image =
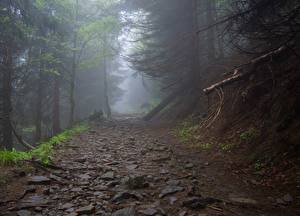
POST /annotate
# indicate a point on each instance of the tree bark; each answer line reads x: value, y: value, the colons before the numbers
x: 107, y: 109
x: 7, y: 106
x: 74, y: 68
x: 39, y: 101
x: 56, y: 103
x: 211, y: 10
x: 195, y: 66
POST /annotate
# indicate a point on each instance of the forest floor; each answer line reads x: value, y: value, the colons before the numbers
x: 128, y: 167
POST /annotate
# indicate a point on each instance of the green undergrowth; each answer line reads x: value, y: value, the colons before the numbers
x: 249, y: 134
x: 226, y: 147
x: 186, y: 131
x: 203, y: 146
x: 44, y: 150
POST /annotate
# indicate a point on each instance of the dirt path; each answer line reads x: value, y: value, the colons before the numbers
x: 126, y: 168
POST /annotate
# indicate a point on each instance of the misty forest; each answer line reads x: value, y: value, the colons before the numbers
x: 150, y: 107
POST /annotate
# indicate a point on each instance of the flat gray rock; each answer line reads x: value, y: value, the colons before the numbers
x: 86, y: 210
x: 149, y: 212
x: 136, y: 182
x: 184, y: 213
x: 67, y: 206
x: 119, y: 197
x: 172, y: 200
x: 72, y: 214
x: 170, y: 190
x: 34, y: 201
x: 173, y: 182
x: 108, y: 176
x: 125, y: 212
x: 39, y: 180
x: 246, y: 201
x: 198, y: 202
x: 24, y: 213
x: 161, y: 159
x: 85, y: 176
x: 132, y: 167
x: 189, y: 166
x: 288, y: 198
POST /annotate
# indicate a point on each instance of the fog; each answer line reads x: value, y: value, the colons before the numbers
x: 137, y: 92
x: 140, y: 92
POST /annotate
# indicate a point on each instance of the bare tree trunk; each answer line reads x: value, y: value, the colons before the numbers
x: 39, y: 101
x: 220, y: 44
x: 106, y: 98
x: 211, y: 10
x: 219, y: 29
x: 72, y: 90
x: 7, y: 107
x: 56, y: 110
x: 74, y: 69
x: 195, y: 67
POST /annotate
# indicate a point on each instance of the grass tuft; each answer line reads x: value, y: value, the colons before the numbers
x: 250, y: 134
x: 186, y: 131
x: 226, y: 147
x: 44, y: 151
x: 13, y: 157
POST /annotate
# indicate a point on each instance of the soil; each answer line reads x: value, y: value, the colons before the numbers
x: 129, y: 167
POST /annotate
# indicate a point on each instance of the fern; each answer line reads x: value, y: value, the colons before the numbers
x: 44, y: 151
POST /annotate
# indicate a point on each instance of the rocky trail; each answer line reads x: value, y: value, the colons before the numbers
x: 127, y: 168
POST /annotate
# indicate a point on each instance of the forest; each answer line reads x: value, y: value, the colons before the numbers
x: 150, y: 107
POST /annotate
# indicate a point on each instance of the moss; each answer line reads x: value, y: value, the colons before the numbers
x: 186, y: 131
x: 226, y: 147
x: 250, y: 134
x: 3, y: 180
x: 203, y: 146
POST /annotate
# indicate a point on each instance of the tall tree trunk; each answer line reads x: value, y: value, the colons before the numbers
x: 219, y: 29
x: 56, y: 109
x: 39, y: 101
x: 220, y: 44
x: 74, y: 68
x: 105, y: 92
x: 7, y: 107
x: 195, y: 66
x: 73, y: 80
x: 211, y: 13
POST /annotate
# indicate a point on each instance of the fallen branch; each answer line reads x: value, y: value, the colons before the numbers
x: 246, y: 70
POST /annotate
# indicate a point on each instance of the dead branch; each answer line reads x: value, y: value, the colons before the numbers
x: 246, y: 70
